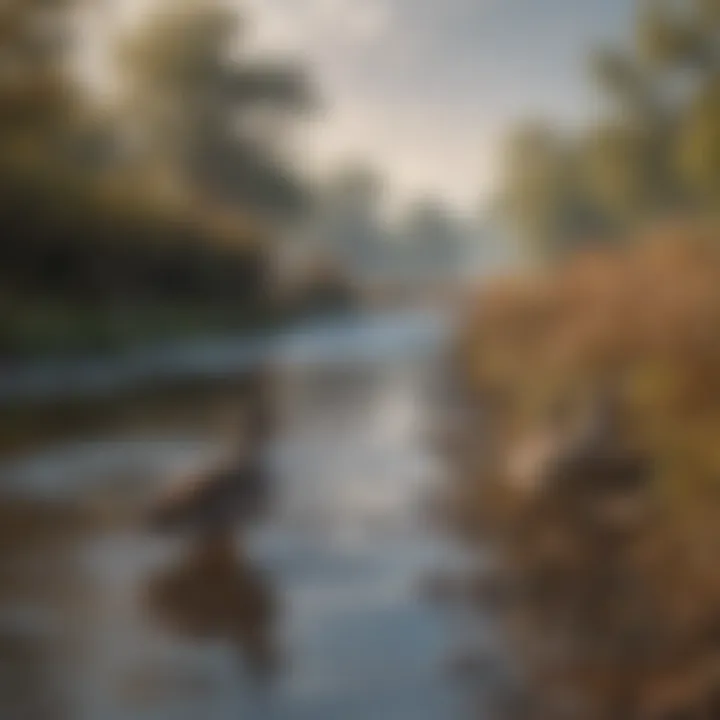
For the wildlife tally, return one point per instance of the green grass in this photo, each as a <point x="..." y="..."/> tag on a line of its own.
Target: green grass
<point x="40" y="329"/>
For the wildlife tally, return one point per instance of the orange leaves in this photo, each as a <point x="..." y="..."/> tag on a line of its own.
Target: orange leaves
<point x="606" y="312"/>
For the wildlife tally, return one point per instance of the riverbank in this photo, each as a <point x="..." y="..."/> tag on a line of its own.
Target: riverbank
<point x="595" y="393"/>
<point x="210" y="356"/>
<point x="32" y="331"/>
<point x="211" y="359"/>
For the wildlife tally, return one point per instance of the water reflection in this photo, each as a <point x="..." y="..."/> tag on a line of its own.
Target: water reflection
<point x="36" y="573"/>
<point x="123" y="623"/>
<point x="30" y="687"/>
<point x="215" y="593"/>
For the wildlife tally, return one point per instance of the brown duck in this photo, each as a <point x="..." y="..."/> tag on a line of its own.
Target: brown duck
<point x="235" y="492"/>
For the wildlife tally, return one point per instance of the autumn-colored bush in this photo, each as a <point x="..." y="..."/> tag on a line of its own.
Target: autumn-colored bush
<point x="616" y="580"/>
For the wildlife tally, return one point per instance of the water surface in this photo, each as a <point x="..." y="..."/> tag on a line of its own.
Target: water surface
<point x="317" y="614"/>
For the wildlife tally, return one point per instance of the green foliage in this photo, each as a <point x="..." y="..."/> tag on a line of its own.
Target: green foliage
<point x="700" y="143"/>
<point x="542" y="194"/>
<point x="205" y="111"/>
<point x="657" y="151"/>
<point x="664" y="39"/>
<point x="94" y="253"/>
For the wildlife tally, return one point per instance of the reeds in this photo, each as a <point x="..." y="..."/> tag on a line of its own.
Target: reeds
<point x="599" y="382"/>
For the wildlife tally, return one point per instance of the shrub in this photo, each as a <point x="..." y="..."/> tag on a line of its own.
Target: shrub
<point x="622" y="618"/>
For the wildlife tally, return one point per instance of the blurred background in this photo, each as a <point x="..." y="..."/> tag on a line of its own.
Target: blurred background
<point x="359" y="358"/>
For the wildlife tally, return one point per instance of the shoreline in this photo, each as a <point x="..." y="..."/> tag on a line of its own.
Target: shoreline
<point x="48" y="381"/>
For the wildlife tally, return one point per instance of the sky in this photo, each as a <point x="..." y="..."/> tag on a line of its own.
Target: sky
<point x="425" y="90"/>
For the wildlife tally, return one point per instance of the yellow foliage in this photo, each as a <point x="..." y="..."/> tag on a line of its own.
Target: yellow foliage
<point x="644" y="320"/>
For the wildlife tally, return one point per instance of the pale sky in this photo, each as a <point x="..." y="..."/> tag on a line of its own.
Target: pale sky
<point x="424" y="90"/>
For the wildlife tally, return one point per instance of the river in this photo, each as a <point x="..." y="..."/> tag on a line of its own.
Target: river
<point x="318" y="615"/>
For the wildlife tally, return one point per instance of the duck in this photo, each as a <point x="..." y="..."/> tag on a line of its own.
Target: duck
<point x="590" y="454"/>
<point x="215" y="500"/>
<point x="596" y="457"/>
<point x="232" y="493"/>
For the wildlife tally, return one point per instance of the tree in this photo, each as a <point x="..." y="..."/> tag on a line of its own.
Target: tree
<point x="89" y="259"/>
<point x="37" y="96"/>
<point x="657" y="151"/>
<point x="546" y="202"/>
<point x="203" y="110"/>
<point x="349" y="219"/>
<point x="432" y="238"/>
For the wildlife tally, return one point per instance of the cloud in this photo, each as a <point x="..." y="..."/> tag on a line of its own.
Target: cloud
<point x="316" y="26"/>
<point x="423" y="149"/>
<point x="385" y="103"/>
<point x="370" y="21"/>
<point x="424" y="88"/>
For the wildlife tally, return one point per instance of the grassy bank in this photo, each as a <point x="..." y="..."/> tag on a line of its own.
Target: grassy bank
<point x="38" y="329"/>
<point x="32" y="329"/>
<point x="598" y="384"/>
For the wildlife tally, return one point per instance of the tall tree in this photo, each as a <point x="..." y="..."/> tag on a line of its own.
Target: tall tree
<point x="658" y="149"/>
<point x="542" y="196"/>
<point x="203" y="109"/>
<point x="36" y="92"/>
